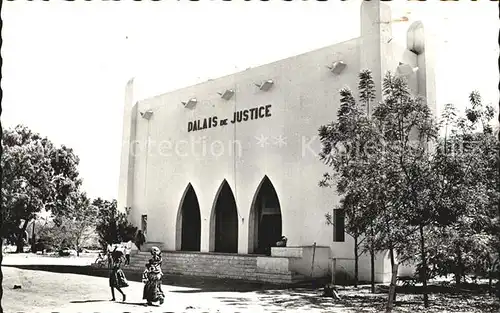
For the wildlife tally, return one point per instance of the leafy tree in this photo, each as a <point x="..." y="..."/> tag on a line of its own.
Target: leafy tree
<point x="36" y="176"/>
<point x="467" y="159"/>
<point x="47" y="235"/>
<point x="393" y="178"/>
<point x="126" y="230"/>
<point x="112" y="225"/>
<point x="77" y="224"/>
<point x="343" y="144"/>
<point x="408" y="127"/>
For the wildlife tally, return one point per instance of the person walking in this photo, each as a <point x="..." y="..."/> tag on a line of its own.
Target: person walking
<point x="108" y="256"/>
<point x="117" y="279"/>
<point x="152" y="277"/>
<point x="150" y="293"/>
<point x="140" y="239"/>
<point x="128" y="250"/>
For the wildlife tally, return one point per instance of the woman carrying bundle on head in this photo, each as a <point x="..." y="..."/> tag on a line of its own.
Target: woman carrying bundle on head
<point x="152" y="278"/>
<point x="117" y="279"/>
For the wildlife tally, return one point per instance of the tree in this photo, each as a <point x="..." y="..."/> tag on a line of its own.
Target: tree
<point x="467" y="159"/>
<point x="126" y="230"/>
<point x="343" y="142"/>
<point x="390" y="175"/>
<point x="77" y="224"/>
<point x="408" y="127"/>
<point x="47" y="234"/>
<point x="112" y="225"/>
<point x="36" y="176"/>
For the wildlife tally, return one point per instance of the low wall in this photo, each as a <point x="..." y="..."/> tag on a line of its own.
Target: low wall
<point x="273" y="265"/>
<point x="301" y="259"/>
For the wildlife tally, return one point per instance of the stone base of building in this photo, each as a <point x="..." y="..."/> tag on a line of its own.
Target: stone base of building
<point x="285" y="265"/>
<point x="219" y="265"/>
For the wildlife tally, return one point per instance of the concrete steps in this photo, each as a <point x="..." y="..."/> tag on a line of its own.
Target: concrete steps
<point x="232" y="266"/>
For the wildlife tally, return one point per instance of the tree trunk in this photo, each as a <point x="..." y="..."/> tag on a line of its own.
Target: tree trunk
<point x="458" y="267"/>
<point x="372" y="265"/>
<point x="491" y="270"/>
<point x="392" y="288"/>
<point x="424" y="267"/>
<point x="33" y="238"/>
<point x="356" y="262"/>
<point x="490" y="283"/>
<point x="20" y="238"/>
<point x="393" y="263"/>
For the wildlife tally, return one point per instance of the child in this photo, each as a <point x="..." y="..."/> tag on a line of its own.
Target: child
<point x="128" y="250"/>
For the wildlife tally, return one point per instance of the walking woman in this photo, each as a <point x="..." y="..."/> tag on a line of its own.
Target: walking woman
<point x="117" y="279"/>
<point x="152" y="277"/>
<point x="140" y="239"/>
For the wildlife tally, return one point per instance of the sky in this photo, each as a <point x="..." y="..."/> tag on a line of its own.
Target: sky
<point x="65" y="64"/>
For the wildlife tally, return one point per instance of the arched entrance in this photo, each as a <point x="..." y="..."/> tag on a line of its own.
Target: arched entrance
<point x="189" y="222"/>
<point x="265" y="224"/>
<point x="224" y="221"/>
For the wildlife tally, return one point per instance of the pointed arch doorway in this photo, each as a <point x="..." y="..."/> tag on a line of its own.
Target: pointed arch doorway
<point x="224" y="221"/>
<point x="189" y="222"/>
<point x="265" y="222"/>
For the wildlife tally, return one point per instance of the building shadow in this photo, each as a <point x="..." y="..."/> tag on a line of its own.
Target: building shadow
<point x="210" y="284"/>
<point x="196" y="284"/>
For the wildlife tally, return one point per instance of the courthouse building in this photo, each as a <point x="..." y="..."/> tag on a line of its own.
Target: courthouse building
<point x="226" y="167"/>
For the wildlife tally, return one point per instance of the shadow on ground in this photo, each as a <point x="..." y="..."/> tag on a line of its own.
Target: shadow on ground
<point x="361" y="300"/>
<point x="466" y="298"/>
<point x="283" y="300"/>
<point x="88" y="301"/>
<point x="120" y="302"/>
<point x="200" y="284"/>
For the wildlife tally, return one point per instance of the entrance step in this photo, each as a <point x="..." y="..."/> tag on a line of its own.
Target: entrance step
<point x="233" y="266"/>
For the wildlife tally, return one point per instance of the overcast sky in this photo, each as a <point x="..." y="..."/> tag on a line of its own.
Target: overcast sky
<point x="66" y="63"/>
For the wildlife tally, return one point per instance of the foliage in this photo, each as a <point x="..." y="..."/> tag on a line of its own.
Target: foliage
<point x="45" y="234"/>
<point x="467" y="160"/>
<point x="344" y="145"/>
<point x="112" y="225"/>
<point x="401" y="186"/>
<point x="37" y="176"/>
<point x="78" y="222"/>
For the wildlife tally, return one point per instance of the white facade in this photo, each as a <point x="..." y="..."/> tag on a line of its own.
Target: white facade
<point x="162" y="155"/>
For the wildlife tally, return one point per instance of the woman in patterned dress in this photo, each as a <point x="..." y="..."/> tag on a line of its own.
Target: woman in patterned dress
<point x="117" y="279"/>
<point x="152" y="289"/>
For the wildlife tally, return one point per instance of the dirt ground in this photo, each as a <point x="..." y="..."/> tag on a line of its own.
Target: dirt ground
<point x="66" y="288"/>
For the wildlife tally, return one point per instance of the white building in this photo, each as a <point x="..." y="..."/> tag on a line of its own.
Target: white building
<point x="208" y="183"/>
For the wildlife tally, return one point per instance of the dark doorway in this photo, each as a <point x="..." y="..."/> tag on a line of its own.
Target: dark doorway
<point x="265" y="219"/>
<point x="226" y="221"/>
<point x="190" y="221"/>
